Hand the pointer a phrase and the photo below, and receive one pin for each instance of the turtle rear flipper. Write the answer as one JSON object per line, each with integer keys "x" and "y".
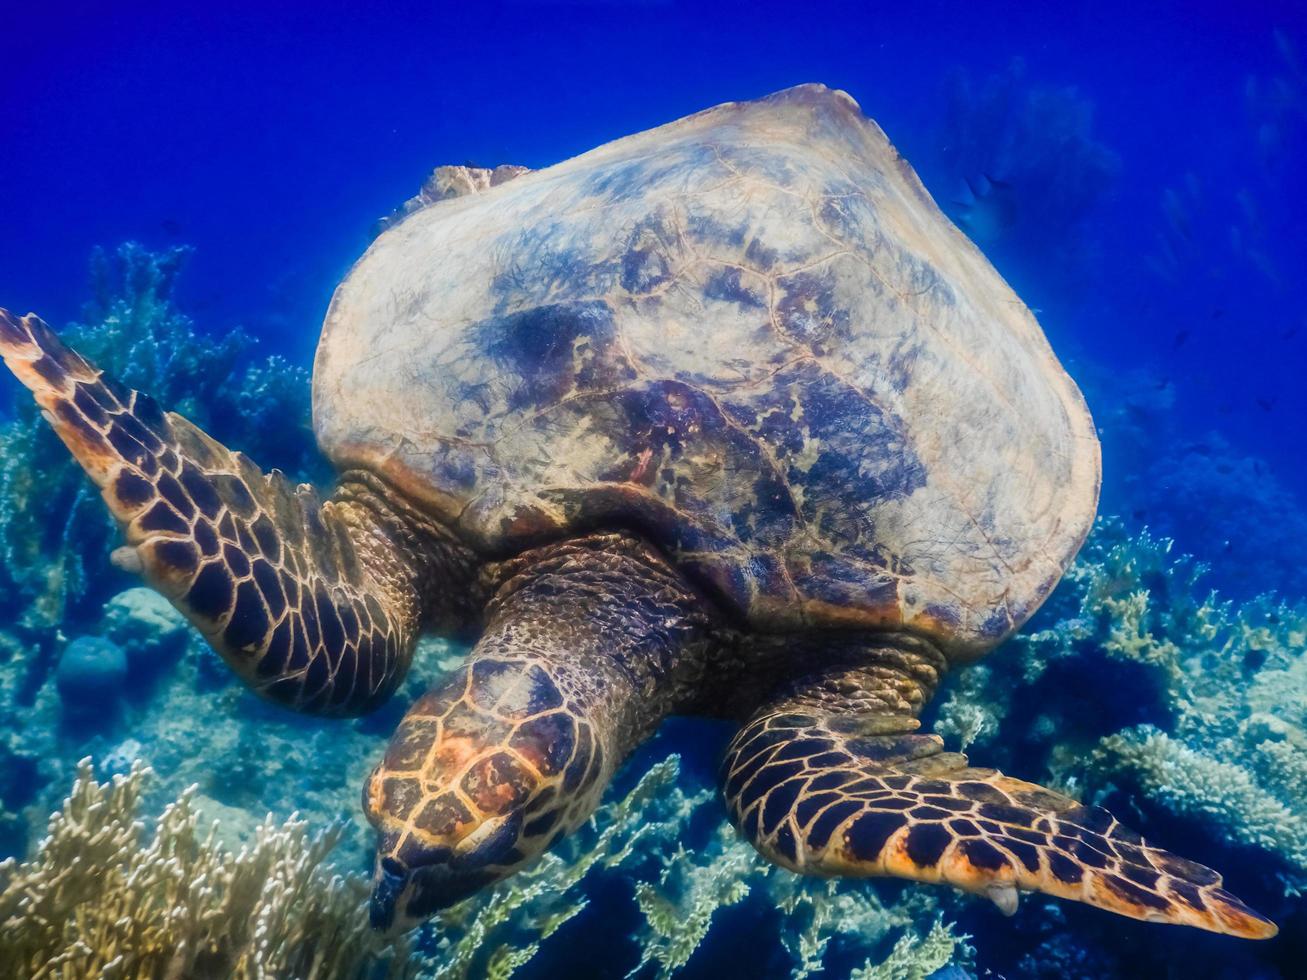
{"x": 315, "y": 605}
{"x": 856, "y": 793}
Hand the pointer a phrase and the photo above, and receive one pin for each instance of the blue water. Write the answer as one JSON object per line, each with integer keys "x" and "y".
{"x": 272, "y": 139}
{"x": 1135, "y": 170}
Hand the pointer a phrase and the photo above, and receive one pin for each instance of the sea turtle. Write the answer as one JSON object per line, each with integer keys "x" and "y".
{"x": 723, "y": 418}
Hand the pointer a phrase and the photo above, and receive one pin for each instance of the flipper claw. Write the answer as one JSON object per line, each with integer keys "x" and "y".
{"x": 1004, "y": 896}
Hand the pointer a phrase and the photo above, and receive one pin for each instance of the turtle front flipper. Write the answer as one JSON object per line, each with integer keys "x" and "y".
{"x": 827, "y": 781}
{"x": 315, "y": 605}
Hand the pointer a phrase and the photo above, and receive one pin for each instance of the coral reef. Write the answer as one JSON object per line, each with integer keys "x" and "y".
{"x": 193, "y": 723}
{"x": 916, "y": 957}
{"x": 498, "y": 932}
{"x": 659, "y": 857}
{"x": 825, "y": 923}
{"x": 98, "y": 901}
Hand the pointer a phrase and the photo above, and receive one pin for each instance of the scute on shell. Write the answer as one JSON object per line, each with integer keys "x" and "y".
{"x": 752, "y": 335}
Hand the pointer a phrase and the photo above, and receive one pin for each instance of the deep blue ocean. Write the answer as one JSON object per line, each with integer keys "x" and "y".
{"x": 1136, "y": 171}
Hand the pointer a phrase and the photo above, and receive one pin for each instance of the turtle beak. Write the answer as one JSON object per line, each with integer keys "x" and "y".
{"x": 388, "y": 884}
{"x": 404, "y": 892}
{"x": 403, "y": 897}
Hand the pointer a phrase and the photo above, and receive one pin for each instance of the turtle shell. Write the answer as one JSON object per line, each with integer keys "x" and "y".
{"x": 751, "y": 335}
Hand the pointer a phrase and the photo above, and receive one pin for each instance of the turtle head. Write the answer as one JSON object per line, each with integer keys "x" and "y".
{"x": 483, "y": 775}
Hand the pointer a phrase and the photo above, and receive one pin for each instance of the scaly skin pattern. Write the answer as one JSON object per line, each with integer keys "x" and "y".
{"x": 588, "y": 645}
{"x": 830, "y": 779}
{"x": 315, "y": 605}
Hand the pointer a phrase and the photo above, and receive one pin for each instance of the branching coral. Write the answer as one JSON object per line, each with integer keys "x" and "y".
{"x": 1229, "y": 795}
{"x": 915, "y": 957}
{"x": 678, "y": 910}
{"x": 819, "y": 915}
{"x": 495, "y": 934}
{"x": 98, "y": 901}
{"x": 1236, "y": 754}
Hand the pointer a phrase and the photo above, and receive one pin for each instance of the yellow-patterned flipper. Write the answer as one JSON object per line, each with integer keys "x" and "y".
{"x": 817, "y": 796}
{"x": 315, "y": 605}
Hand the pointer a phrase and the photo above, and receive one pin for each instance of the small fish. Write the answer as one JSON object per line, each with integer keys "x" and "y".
{"x": 171, "y": 226}
{"x": 1289, "y": 332}
{"x": 1201, "y": 448}
{"x": 1180, "y": 338}
{"x": 1268, "y": 403}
